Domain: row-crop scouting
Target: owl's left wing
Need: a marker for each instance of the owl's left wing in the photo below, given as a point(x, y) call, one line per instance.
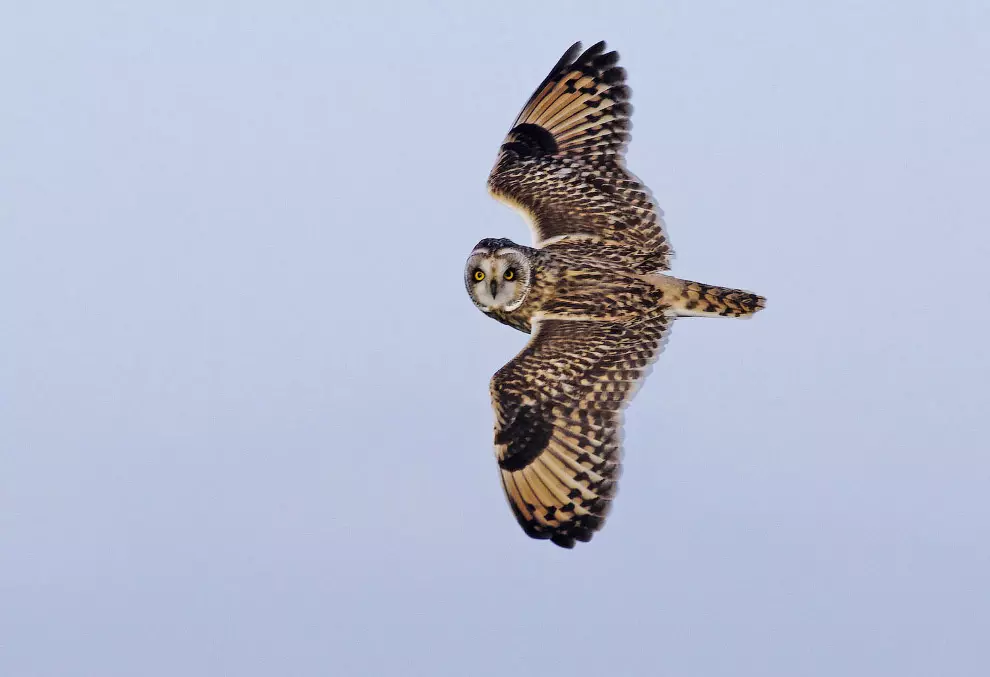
point(558, 420)
point(563, 162)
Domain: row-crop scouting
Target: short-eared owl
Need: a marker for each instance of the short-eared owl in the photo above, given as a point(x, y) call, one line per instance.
point(591, 294)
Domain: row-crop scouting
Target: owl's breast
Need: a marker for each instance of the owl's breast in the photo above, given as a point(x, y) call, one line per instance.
point(521, 318)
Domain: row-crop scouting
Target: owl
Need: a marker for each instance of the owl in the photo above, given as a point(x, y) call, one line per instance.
point(590, 292)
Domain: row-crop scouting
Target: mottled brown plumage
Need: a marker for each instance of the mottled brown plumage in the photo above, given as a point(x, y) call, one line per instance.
point(591, 294)
point(563, 162)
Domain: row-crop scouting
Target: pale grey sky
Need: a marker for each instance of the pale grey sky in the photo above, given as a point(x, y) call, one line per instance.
point(245, 426)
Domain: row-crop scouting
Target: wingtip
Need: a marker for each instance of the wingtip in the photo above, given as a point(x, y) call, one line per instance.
point(569, 56)
point(577, 54)
point(598, 46)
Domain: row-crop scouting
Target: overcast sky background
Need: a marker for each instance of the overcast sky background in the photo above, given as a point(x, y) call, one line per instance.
point(244, 417)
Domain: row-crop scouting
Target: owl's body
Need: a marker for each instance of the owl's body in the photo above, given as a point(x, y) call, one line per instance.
point(567, 282)
point(591, 293)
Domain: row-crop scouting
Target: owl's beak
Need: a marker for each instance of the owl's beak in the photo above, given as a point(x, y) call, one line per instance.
point(493, 285)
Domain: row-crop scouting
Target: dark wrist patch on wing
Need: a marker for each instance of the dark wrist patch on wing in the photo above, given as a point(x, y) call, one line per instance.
point(526, 436)
point(529, 140)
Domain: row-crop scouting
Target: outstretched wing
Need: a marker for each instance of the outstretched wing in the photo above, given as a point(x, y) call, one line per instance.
point(563, 161)
point(558, 420)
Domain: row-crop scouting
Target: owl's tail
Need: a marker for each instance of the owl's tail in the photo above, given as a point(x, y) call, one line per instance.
point(694, 299)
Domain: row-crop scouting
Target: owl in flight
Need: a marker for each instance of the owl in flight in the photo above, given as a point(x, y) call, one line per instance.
point(590, 293)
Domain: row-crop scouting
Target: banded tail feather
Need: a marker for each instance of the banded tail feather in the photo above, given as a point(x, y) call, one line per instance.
point(696, 299)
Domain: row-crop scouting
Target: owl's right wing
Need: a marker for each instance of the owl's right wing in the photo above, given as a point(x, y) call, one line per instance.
point(563, 162)
point(558, 420)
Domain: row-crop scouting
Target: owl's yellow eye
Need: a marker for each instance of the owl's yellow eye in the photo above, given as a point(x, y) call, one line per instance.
point(509, 274)
point(479, 275)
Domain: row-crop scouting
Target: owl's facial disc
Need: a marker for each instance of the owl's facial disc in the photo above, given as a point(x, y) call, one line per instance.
point(497, 280)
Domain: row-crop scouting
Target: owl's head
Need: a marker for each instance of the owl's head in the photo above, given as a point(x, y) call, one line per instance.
point(498, 275)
